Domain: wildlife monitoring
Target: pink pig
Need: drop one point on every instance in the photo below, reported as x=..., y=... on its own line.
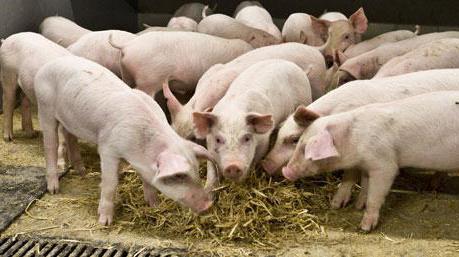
x=181, y=57
x=258, y=17
x=91, y=103
x=239, y=126
x=379, y=139
x=299, y=28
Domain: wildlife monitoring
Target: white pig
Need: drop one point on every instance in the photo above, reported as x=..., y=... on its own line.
x=61, y=30
x=239, y=126
x=299, y=28
x=353, y=95
x=227, y=27
x=149, y=28
x=379, y=139
x=342, y=33
x=181, y=57
x=370, y=44
x=215, y=82
x=96, y=47
x=21, y=56
x=366, y=65
x=91, y=103
x=258, y=17
x=439, y=54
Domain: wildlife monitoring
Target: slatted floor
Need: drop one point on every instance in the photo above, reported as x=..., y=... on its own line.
x=24, y=247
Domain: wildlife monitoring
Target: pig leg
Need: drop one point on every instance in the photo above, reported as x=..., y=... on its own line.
x=379, y=184
x=27, y=125
x=61, y=150
x=149, y=194
x=50, y=141
x=362, y=198
x=343, y=195
x=9, y=82
x=109, y=167
x=73, y=152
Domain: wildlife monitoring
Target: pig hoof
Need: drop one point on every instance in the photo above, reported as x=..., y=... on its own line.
x=105, y=220
x=369, y=222
x=53, y=185
x=7, y=138
x=340, y=200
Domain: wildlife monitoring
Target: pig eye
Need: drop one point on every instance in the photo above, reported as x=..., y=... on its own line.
x=292, y=140
x=219, y=140
x=347, y=36
x=176, y=179
x=246, y=138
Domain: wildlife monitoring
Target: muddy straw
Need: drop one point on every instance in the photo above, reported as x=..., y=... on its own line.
x=259, y=212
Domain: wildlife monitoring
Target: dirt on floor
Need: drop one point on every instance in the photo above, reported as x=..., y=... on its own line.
x=412, y=223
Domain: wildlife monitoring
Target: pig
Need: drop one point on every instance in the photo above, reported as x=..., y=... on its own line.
x=333, y=16
x=258, y=17
x=344, y=99
x=183, y=24
x=91, y=103
x=181, y=57
x=299, y=28
x=95, y=47
x=61, y=30
x=370, y=44
x=245, y=4
x=21, y=56
x=194, y=11
x=379, y=139
x=366, y=65
x=341, y=33
x=227, y=27
x=439, y=54
x=239, y=126
x=215, y=82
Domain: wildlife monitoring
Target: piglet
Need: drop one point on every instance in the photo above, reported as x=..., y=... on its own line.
x=256, y=16
x=215, y=82
x=299, y=28
x=194, y=11
x=245, y=4
x=379, y=139
x=333, y=16
x=353, y=95
x=227, y=27
x=239, y=126
x=439, y=54
x=91, y=103
x=61, y=30
x=366, y=65
x=95, y=47
x=181, y=57
x=183, y=24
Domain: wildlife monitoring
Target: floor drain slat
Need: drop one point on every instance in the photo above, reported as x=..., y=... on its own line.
x=25, y=248
x=55, y=251
x=109, y=253
x=5, y=246
x=67, y=250
x=14, y=248
x=144, y=253
x=97, y=253
x=120, y=254
x=77, y=250
x=87, y=252
x=48, y=247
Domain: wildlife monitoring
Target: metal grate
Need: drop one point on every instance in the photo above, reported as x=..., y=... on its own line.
x=25, y=247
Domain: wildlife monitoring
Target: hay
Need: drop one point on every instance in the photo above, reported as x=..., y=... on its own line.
x=261, y=212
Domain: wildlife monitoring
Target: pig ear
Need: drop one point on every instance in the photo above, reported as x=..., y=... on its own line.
x=203, y=122
x=320, y=27
x=173, y=104
x=321, y=147
x=359, y=21
x=201, y=152
x=340, y=57
x=171, y=165
x=303, y=37
x=260, y=123
x=303, y=117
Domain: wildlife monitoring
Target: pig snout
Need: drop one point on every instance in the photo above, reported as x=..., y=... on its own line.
x=233, y=171
x=198, y=201
x=290, y=173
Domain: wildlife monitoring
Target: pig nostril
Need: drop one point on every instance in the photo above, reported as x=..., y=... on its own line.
x=233, y=171
x=329, y=60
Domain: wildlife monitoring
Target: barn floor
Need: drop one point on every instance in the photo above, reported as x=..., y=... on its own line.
x=413, y=224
